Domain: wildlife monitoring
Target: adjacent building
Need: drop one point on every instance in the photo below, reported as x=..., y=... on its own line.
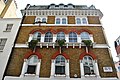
x=8, y=31
x=117, y=47
x=117, y=65
x=85, y=53
x=8, y=9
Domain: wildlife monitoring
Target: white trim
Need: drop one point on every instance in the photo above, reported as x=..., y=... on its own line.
x=61, y=19
x=67, y=44
x=100, y=45
x=87, y=12
x=21, y=45
x=99, y=25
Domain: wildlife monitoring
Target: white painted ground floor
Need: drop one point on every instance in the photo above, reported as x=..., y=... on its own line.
x=57, y=78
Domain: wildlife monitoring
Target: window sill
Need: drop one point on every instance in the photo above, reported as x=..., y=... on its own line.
x=1, y=50
x=92, y=75
x=30, y=75
x=58, y=75
x=6, y=31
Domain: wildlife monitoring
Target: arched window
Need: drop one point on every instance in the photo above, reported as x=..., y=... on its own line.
x=72, y=37
x=37, y=36
x=60, y=65
x=43, y=19
x=64, y=20
x=60, y=36
x=84, y=21
x=37, y=19
x=48, y=37
x=57, y=20
x=85, y=36
x=32, y=64
x=88, y=65
x=78, y=21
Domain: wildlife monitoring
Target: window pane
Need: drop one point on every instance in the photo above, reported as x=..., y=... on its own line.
x=88, y=65
x=72, y=37
x=37, y=36
x=63, y=20
x=57, y=20
x=60, y=36
x=84, y=35
x=48, y=37
x=43, y=19
x=60, y=70
x=2, y=43
x=31, y=69
x=78, y=21
x=84, y=21
x=32, y=60
x=9, y=27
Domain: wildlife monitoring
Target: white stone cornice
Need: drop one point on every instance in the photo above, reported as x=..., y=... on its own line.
x=61, y=25
x=87, y=12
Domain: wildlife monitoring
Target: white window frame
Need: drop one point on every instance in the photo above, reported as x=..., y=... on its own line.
x=61, y=19
x=26, y=64
x=81, y=20
x=35, y=36
x=67, y=73
x=40, y=17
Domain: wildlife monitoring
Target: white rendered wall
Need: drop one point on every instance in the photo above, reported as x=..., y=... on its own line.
x=2, y=5
x=11, y=12
x=5, y=54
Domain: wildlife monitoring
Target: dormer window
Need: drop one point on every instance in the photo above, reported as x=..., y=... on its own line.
x=52, y=6
x=70, y=6
x=61, y=6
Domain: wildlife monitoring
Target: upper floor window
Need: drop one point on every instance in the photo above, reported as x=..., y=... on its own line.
x=60, y=36
x=41, y=19
x=85, y=36
x=72, y=37
x=61, y=20
x=2, y=43
x=57, y=20
x=84, y=21
x=9, y=27
x=80, y=20
x=37, y=36
x=48, y=37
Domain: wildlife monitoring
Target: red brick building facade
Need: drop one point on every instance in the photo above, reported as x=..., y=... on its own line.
x=72, y=24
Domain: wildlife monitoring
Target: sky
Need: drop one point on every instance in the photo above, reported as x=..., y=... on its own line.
x=109, y=8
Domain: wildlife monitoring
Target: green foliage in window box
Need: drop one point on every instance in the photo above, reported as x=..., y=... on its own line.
x=61, y=42
x=33, y=44
x=87, y=42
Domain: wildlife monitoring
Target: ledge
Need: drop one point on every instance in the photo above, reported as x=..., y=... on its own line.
x=61, y=25
x=67, y=45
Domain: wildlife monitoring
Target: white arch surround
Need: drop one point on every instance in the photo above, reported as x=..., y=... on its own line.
x=32, y=61
x=53, y=65
x=95, y=68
